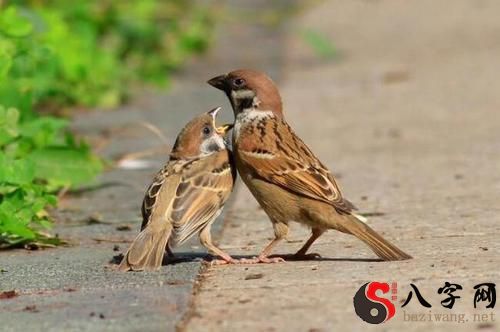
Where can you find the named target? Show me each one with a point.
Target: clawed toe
(265, 260)
(268, 260)
(254, 260)
(214, 262)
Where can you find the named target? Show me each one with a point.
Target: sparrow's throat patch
(242, 99)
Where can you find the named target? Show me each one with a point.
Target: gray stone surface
(73, 288)
(407, 117)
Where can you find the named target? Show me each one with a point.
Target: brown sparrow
(285, 177)
(186, 196)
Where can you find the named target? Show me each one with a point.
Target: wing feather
(289, 163)
(207, 185)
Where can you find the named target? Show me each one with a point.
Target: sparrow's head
(200, 137)
(249, 90)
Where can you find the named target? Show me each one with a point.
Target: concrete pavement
(407, 117)
(73, 288)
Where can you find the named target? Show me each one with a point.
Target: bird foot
(261, 259)
(214, 262)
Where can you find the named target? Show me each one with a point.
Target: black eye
(206, 131)
(239, 82)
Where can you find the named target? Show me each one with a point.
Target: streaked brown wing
(287, 161)
(152, 194)
(200, 196)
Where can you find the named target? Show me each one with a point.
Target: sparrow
(283, 174)
(186, 196)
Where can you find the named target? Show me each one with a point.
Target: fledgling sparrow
(186, 196)
(285, 177)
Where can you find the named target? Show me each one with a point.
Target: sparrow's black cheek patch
(213, 147)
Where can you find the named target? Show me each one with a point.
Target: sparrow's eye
(238, 82)
(207, 131)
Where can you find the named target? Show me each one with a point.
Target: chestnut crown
(249, 89)
(200, 137)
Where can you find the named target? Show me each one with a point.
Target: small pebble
(254, 276)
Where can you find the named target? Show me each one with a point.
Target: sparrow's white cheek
(220, 142)
(213, 144)
(242, 94)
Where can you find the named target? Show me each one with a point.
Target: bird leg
(206, 241)
(280, 232)
(301, 254)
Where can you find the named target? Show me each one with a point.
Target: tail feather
(147, 250)
(383, 248)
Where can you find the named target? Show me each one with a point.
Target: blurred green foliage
(38, 157)
(89, 52)
(55, 54)
(320, 44)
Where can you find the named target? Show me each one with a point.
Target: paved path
(72, 289)
(407, 117)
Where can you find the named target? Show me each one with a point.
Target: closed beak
(218, 82)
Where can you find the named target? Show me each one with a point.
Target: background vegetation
(57, 54)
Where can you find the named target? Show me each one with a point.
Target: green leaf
(5, 64)
(17, 172)
(64, 167)
(43, 131)
(13, 24)
(15, 218)
(8, 124)
(7, 188)
(45, 223)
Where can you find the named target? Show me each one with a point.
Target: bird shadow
(181, 257)
(292, 258)
(186, 257)
(189, 257)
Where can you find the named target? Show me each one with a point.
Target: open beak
(214, 112)
(219, 82)
(222, 130)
